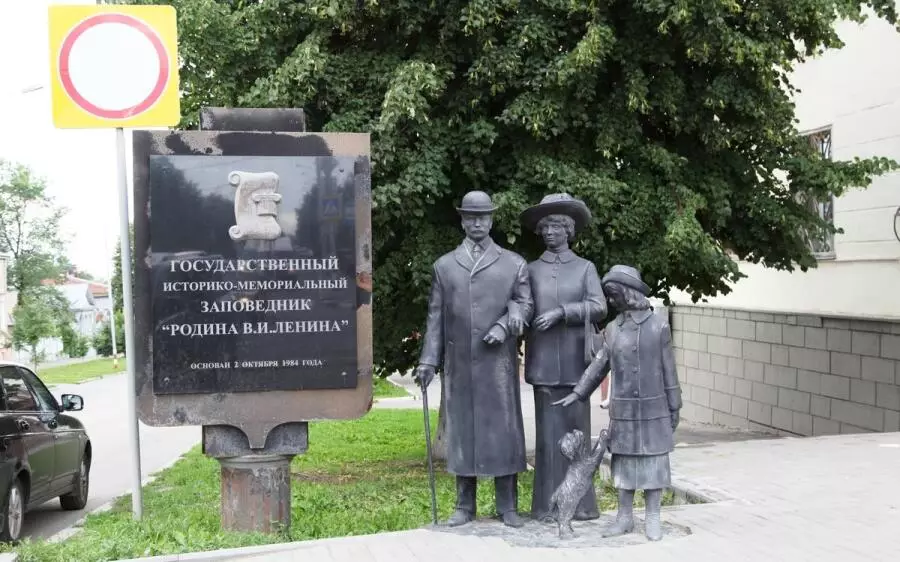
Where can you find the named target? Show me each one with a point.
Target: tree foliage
(33, 323)
(672, 119)
(116, 281)
(102, 340)
(74, 344)
(75, 272)
(43, 313)
(103, 337)
(29, 229)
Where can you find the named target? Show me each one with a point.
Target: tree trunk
(34, 356)
(439, 448)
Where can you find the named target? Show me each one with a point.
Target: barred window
(822, 245)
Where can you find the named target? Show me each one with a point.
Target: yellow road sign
(114, 66)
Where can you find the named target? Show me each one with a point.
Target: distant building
(89, 301)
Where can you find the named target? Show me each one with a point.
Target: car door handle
(23, 425)
(4, 444)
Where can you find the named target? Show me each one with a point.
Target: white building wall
(856, 92)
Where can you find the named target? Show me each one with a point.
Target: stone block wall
(787, 374)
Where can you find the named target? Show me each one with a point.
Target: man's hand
(570, 399)
(516, 324)
(496, 335)
(675, 418)
(546, 320)
(424, 375)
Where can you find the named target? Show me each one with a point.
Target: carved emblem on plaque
(255, 206)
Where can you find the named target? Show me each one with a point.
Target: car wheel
(13, 512)
(77, 498)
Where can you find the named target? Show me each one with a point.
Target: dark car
(44, 453)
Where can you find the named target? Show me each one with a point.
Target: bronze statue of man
(480, 296)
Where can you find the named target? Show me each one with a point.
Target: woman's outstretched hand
(570, 399)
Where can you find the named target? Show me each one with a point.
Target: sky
(79, 165)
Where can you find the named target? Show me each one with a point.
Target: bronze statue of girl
(645, 401)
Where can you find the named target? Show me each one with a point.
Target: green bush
(103, 340)
(74, 344)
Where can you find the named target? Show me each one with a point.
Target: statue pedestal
(256, 483)
(256, 493)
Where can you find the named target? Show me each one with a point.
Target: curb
(395, 383)
(95, 379)
(250, 551)
(76, 527)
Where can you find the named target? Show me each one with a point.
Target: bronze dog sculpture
(579, 477)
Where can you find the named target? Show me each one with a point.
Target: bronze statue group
(483, 298)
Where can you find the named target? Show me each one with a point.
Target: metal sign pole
(137, 501)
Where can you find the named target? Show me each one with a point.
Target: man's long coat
(484, 429)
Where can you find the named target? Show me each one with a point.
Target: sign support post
(113, 67)
(256, 484)
(137, 500)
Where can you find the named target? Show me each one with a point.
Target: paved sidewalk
(824, 499)
(793, 499)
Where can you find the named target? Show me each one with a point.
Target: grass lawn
(80, 372)
(359, 477)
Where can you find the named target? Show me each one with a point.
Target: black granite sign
(252, 272)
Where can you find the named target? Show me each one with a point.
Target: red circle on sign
(66, 79)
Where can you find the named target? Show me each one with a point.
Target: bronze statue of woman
(566, 290)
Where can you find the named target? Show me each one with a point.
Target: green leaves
(415, 84)
(672, 119)
(294, 81)
(42, 312)
(589, 53)
(29, 228)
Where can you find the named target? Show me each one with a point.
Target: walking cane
(428, 449)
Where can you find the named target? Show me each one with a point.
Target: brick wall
(787, 374)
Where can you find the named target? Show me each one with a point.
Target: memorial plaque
(252, 269)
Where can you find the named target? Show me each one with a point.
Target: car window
(47, 402)
(18, 396)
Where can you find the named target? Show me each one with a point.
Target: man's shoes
(460, 517)
(512, 519)
(586, 515)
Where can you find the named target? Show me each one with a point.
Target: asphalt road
(104, 416)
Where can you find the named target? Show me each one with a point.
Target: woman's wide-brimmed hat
(628, 276)
(557, 204)
(476, 203)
